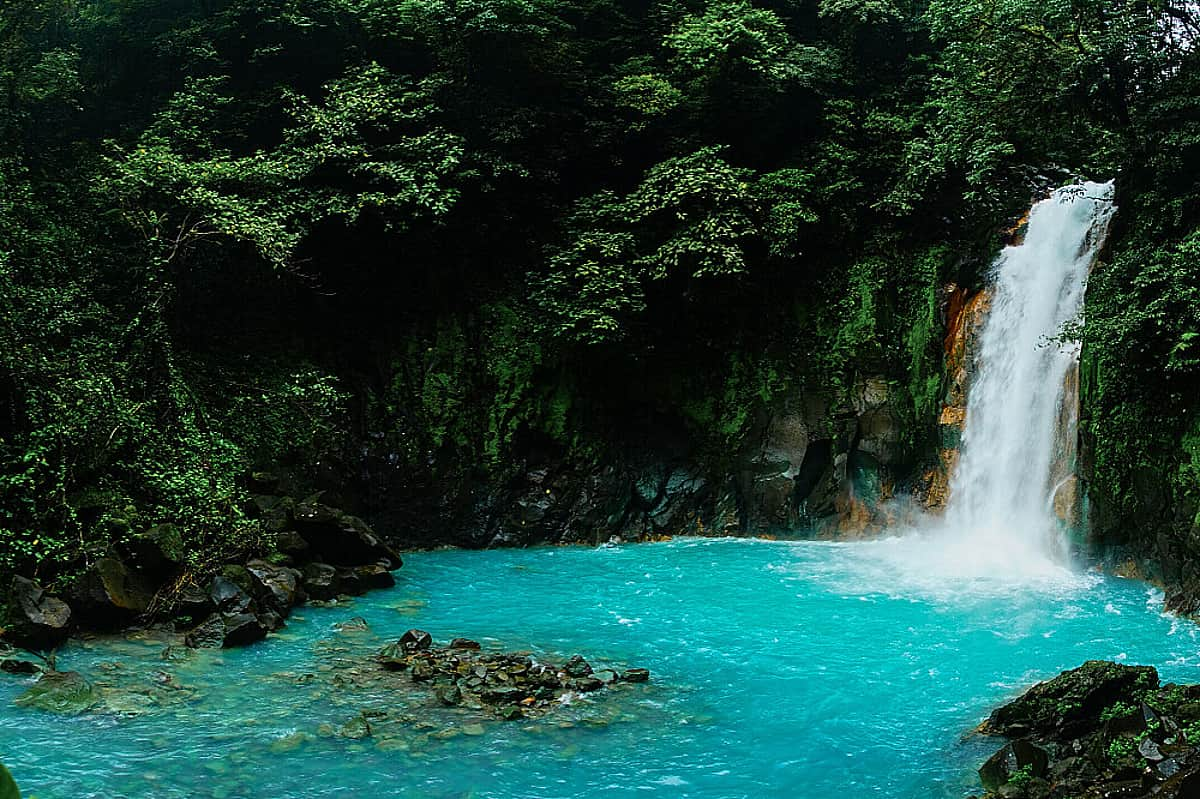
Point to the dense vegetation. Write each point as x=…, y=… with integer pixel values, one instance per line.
x=444, y=235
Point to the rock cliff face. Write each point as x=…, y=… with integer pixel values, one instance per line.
x=818, y=461
x=966, y=311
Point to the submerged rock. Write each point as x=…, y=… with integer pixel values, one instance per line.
x=16, y=666
x=60, y=692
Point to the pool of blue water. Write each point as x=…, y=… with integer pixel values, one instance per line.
x=779, y=670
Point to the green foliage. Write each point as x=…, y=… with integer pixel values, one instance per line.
x=1117, y=710
x=691, y=218
x=1021, y=778
x=735, y=46
x=1121, y=749
x=370, y=146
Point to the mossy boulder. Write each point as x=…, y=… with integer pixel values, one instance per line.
x=1074, y=699
x=158, y=551
x=60, y=692
x=112, y=593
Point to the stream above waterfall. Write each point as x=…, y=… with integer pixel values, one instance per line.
x=779, y=669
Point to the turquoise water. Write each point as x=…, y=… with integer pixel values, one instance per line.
x=779, y=670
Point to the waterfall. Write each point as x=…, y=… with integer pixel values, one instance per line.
x=1017, y=432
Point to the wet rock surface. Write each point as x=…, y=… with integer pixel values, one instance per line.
x=146, y=581
x=508, y=686
x=37, y=620
x=1101, y=730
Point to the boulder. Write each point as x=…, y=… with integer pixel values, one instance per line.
x=576, y=666
x=193, y=602
x=15, y=666
x=277, y=587
x=60, y=692
x=1183, y=784
x=349, y=583
x=1072, y=700
x=1020, y=755
x=208, y=634
x=320, y=581
x=293, y=545
x=111, y=594
x=158, y=551
x=415, y=641
x=341, y=539
x=374, y=576
x=232, y=629
x=38, y=621
x=232, y=589
x=246, y=628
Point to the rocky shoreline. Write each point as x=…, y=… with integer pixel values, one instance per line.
x=319, y=553
x=419, y=679
x=1101, y=731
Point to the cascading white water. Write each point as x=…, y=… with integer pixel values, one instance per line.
x=1000, y=512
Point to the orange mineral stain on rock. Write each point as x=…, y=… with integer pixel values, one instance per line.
x=965, y=314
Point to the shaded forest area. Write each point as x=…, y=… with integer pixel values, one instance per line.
x=418, y=244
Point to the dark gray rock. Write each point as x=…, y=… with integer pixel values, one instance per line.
x=293, y=545
x=341, y=539
x=231, y=630
x=276, y=587
x=37, y=620
x=415, y=641
x=231, y=590
x=15, y=666
x=246, y=628
x=1017, y=755
x=320, y=581
x=635, y=675
x=111, y=594
x=576, y=666
x=208, y=634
